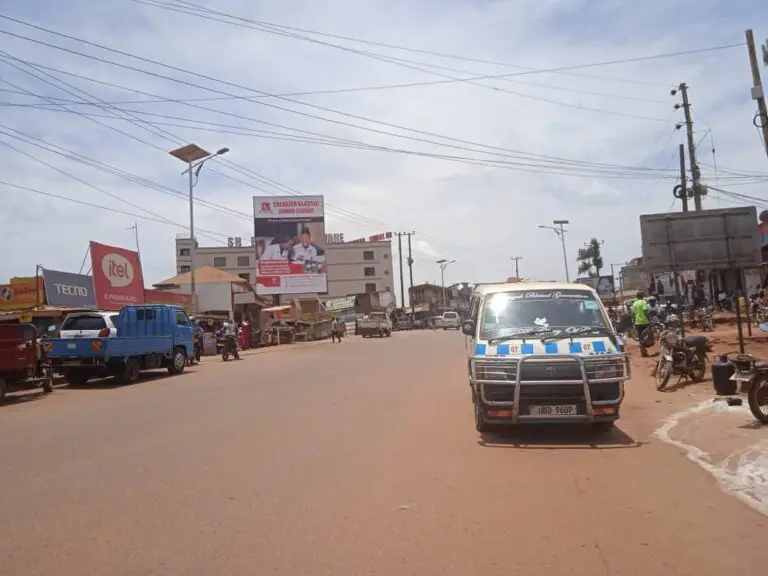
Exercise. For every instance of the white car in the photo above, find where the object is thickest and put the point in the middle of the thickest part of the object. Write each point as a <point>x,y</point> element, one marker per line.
<point>89,325</point>
<point>451,320</point>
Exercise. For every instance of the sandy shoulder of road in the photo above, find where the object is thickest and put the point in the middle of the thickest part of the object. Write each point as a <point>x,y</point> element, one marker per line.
<point>725,441</point>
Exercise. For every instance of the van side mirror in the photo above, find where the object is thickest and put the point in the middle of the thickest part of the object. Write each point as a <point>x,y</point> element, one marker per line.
<point>468,328</point>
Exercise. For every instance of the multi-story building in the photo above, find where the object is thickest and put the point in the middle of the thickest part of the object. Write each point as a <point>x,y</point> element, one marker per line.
<point>353,267</point>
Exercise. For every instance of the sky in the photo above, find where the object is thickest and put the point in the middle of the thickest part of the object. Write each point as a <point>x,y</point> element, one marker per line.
<point>378,107</point>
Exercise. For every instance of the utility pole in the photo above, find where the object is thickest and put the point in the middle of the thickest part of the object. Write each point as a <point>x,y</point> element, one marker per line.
<point>761,118</point>
<point>681,191</point>
<point>135,229</point>
<point>695,172</point>
<point>410,265</point>
<point>517,269</point>
<point>400,255</point>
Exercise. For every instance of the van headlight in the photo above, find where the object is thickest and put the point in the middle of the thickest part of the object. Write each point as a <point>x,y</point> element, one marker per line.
<point>606,370</point>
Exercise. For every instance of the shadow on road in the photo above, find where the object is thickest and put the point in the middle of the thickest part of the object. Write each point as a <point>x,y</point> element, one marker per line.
<point>560,437</point>
<point>110,383</point>
<point>18,398</point>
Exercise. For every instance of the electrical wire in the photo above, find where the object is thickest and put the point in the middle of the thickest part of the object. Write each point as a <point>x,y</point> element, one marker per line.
<point>262,103</point>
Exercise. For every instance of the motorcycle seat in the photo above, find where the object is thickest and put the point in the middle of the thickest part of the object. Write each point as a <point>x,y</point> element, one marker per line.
<point>697,341</point>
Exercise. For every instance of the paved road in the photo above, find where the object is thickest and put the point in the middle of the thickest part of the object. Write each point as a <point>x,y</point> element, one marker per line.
<point>350,459</point>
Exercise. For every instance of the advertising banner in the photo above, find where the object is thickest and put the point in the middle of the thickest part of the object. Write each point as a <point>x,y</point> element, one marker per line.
<point>69,290</point>
<point>168,297</point>
<point>21,293</point>
<point>290,244</point>
<point>117,276</point>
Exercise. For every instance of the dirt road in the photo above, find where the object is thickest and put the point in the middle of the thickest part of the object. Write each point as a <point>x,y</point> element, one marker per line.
<point>350,459</point>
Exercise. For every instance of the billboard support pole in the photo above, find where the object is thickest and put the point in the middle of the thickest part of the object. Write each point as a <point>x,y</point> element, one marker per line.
<point>400,257</point>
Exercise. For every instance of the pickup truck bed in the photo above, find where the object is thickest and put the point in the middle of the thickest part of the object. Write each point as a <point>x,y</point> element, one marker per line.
<point>73,348</point>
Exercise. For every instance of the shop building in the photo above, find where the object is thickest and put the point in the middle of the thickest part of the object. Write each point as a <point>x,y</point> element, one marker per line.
<point>356,267</point>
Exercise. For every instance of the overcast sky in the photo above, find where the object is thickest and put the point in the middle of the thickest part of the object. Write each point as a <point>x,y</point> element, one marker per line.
<point>377,122</point>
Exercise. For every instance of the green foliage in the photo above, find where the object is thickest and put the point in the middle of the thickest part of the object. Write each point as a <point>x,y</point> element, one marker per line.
<point>590,259</point>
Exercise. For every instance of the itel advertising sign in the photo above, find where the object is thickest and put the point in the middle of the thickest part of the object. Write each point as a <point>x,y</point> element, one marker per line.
<point>69,290</point>
<point>117,277</point>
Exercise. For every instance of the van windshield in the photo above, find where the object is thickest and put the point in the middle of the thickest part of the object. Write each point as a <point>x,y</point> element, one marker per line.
<point>545,311</point>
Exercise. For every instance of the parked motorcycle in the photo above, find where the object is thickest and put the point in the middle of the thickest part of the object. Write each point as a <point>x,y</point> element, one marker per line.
<point>752,375</point>
<point>702,318</point>
<point>230,348</point>
<point>683,357</point>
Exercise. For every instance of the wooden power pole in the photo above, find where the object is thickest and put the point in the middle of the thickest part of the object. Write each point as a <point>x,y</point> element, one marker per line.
<point>761,118</point>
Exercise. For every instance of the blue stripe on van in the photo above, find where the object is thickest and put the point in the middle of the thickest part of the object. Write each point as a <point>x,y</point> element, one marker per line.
<point>551,348</point>
<point>502,350</point>
<point>526,349</point>
<point>575,347</point>
<point>598,346</point>
<point>480,349</point>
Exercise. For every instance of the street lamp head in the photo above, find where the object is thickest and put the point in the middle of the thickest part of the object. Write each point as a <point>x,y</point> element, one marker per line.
<point>441,261</point>
<point>560,222</point>
<point>222,151</point>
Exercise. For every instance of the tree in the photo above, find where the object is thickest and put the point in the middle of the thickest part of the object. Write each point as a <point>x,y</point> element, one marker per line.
<point>589,258</point>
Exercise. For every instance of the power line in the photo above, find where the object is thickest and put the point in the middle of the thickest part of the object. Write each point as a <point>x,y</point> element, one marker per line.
<point>289,110</point>
<point>207,12</point>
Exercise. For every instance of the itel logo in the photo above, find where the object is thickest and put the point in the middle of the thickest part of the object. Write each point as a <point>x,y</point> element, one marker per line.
<point>266,208</point>
<point>118,270</point>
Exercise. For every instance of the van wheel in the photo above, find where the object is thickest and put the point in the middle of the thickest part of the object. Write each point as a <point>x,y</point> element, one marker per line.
<point>130,372</point>
<point>2,391</point>
<point>481,425</point>
<point>604,427</point>
<point>76,378</point>
<point>178,361</point>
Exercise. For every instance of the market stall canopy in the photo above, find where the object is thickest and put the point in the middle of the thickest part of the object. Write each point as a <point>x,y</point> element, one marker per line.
<point>204,275</point>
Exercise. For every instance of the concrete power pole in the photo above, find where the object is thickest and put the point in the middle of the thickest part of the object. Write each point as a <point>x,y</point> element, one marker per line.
<point>400,255</point>
<point>410,262</point>
<point>695,172</point>
<point>761,118</point>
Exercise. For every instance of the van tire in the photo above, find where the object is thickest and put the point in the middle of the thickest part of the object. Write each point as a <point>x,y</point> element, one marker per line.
<point>178,361</point>
<point>2,391</point>
<point>603,427</point>
<point>481,425</point>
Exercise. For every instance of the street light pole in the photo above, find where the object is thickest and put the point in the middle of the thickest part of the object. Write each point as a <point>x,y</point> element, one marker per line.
<point>443,263</point>
<point>517,269</point>
<point>195,157</point>
<point>560,231</point>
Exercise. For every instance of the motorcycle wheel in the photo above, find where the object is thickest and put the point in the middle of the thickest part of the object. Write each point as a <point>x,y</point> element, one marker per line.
<point>758,400</point>
<point>699,369</point>
<point>663,374</point>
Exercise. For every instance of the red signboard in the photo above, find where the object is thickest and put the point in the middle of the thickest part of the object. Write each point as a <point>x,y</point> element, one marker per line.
<point>117,276</point>
<point>168,297</point>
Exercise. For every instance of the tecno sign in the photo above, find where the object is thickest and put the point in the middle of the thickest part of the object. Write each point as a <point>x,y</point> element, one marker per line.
<point>118,270</point>
<point>71,290</point>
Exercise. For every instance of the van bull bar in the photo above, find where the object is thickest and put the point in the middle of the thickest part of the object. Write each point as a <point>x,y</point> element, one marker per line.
<point>595,385</point>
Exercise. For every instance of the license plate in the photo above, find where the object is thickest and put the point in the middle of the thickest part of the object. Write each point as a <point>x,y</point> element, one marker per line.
<point>561,410</point>
<point>72,346</point>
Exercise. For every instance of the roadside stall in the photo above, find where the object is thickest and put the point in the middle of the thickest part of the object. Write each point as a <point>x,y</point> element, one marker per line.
<point>312,320</point>
<point>277,325</point>
<point>345,311</point>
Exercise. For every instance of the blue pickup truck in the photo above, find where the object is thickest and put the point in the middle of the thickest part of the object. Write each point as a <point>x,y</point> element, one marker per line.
<point>148,337</point>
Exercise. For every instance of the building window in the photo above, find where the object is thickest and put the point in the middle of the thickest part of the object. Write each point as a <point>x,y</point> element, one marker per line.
<point>184,252</point>
<point>243,261</point>
<point>219,261</point>
<point>245,276</point>
<point>386,272</point>
<point>385,256</point>
<point>370,287</point>
<point>369,271</point>
<point>368,255</point>
<point>183,269</point>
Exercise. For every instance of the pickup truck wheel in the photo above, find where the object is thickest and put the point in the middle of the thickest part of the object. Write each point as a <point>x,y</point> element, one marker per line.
<point>76,379</point>
<point>178,362</point>
<point>130,372</point>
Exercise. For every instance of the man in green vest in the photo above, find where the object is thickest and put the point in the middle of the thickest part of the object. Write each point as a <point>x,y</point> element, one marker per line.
<point>641,321</point>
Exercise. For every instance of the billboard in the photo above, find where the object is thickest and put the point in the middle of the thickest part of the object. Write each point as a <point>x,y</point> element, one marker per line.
<point>117,276</point>
<point>69,290</point>
<point>701,240</point>
<point>603,285</point>
<point>290,244</point>
<point>22,293</point>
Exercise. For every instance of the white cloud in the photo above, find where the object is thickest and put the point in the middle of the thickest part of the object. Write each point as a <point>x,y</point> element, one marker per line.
<point>478,215</point>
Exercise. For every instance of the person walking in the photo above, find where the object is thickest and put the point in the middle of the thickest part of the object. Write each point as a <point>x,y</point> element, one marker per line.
<point>335,333</point>
<point>640,319</point>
